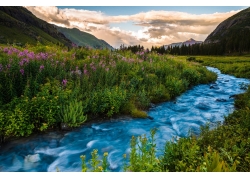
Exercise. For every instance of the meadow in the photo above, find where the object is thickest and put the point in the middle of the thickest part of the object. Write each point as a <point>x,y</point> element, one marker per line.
<point>51,87</point>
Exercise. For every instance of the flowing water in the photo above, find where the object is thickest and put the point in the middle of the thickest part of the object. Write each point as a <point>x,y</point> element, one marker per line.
<point>61,151</point>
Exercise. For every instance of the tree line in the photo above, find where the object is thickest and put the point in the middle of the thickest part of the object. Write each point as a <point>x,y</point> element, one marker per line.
<point>236,43</point>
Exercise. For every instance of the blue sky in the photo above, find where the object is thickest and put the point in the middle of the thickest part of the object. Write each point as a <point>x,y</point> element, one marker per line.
<point>129,10</point>
<point>145,25</point>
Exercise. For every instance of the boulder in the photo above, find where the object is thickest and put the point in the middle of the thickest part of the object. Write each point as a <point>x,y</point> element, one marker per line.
<point>32,158</point>
<point>221,100</point>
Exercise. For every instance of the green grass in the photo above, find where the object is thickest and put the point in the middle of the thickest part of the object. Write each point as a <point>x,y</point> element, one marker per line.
<point>238,66</point>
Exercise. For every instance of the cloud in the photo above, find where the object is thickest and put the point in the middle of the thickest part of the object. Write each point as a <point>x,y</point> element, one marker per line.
<point>157,27</point>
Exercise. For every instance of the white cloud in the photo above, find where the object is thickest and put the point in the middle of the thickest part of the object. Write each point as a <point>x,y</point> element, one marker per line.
<point>157,27</point>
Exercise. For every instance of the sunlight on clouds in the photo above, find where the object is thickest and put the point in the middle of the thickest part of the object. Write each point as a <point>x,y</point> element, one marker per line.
<point>157,27</point>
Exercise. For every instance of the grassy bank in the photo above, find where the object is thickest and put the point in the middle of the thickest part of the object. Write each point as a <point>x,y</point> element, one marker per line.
<point>48,87</point>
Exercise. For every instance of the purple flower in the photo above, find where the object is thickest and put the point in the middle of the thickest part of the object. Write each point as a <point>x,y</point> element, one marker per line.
<point>93,67</point>
<point>41,67</point>
<point>85,71</point>
<point>107,69</point>
<point>21,63</point>
<point>64,82</point>
<point>22,71</point>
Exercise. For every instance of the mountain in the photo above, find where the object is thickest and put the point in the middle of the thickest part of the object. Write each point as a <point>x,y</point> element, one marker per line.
<point>233,33</point>
<point>81,38</point>
<point>20,26</point>
<point>187,43</point>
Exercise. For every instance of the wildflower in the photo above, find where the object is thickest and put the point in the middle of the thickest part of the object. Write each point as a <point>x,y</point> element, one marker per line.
<point>21,63</point>
<point>41,68</point>
<point>107,69</point>
<point>64,82</point>
<point>22,71</point>
<point>100,168</point>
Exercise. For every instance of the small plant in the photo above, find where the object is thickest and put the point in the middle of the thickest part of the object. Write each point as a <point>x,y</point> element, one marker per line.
<point>143,154</point>
<point>96,164</point>
<point>72,114</point>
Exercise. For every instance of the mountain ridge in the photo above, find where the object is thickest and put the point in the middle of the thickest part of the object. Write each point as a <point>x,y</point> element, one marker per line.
<point>81,38</point>
<point>233,24</point>
<point>19,25</point>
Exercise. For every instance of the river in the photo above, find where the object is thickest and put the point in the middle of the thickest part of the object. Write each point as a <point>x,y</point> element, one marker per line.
<point>54,151</point>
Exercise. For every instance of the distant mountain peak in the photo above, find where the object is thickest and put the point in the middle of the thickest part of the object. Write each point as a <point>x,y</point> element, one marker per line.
<point>188,42</point>
<point>191,39</point>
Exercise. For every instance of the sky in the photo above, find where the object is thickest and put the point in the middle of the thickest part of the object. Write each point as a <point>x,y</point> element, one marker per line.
<point>145,25</point>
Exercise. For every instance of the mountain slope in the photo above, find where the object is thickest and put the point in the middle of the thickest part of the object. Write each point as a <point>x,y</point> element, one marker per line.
<point>233,33</point>
<point>81,38</point>
<point>18,25</point>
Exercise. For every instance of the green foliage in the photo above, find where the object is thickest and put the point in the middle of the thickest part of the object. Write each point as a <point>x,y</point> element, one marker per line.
<point>191,75</point>
<point>17,123</point>
<point>174,86</point>
<point>72,114</point>
<point>143,154</point>
<point>96,165</point>
<point>138,114</point>
<point>184,155</point>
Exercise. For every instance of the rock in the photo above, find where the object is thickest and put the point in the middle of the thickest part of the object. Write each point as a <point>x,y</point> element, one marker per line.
<point>203,106</point>
<point>226,81</point>
<point>152,105</point>
<point>232,96</point>
<point>221,100</point>
<point>151,118</point>
<point>214,87</point>
<point>32,158</point>
<point>65,127</point>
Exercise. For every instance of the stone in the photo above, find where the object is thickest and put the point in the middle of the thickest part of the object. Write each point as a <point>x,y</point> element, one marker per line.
<point>151,118</point>
<point>232,96</point>
<point>32,158</point>
<point>221,100</point>
<point>65,127</point>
